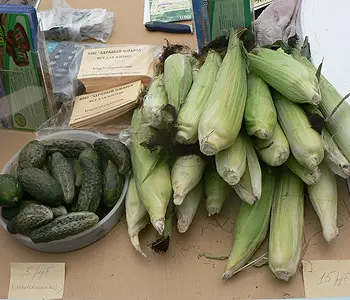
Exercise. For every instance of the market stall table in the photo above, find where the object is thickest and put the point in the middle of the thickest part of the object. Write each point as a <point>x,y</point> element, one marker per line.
<point>111,267</point>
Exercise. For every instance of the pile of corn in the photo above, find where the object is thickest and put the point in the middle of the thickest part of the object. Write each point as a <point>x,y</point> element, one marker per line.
<point>248,113</point>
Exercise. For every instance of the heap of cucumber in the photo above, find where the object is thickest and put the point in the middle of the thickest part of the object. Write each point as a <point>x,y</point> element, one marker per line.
<point>63,187</point>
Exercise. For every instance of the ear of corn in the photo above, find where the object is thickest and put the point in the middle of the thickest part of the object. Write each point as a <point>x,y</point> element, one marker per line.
<point>274,151</point>
<point>222,117</point>
<point>323,196</point>
<point>196,100</point>
<point>244,188</point>
<point>286,75</point>
<point>286,226</point>
<point>251,226</point>
<point>136,215</point>
<point>337,125</point>
<point>186,173</point>
<point>216,191</point>
<point>149,173</point>
<point>260,115</point>
<point>334,157</point>
<point>306,175</point>
<point>231,162</point>
<point>306,144</point>
<point>154,102</point>
<point>177,78</point>
<point>254,168</point>
<point>187,210</point>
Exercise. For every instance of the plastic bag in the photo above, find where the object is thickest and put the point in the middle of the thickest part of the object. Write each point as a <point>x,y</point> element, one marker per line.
<point>65,23</point>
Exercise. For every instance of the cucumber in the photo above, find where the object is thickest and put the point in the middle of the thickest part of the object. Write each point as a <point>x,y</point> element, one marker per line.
<point>10,190</point>
<point>33,155</point>
<point>88,153</point>
<point>41,186</point>
<point>64,226</point>
<point>91,188</point>
<point>113,184</point>
<point>59,211</point>
<point>69,148</point>
<point>62,171</point>
<point>115,151</point>
<point>29,218</point>
<point>8,213</point>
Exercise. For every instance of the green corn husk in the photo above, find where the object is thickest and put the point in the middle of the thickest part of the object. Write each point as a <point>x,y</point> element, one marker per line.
<point>260,116</point>
<point>307,176</point>
<point>186,173</point>
<point>136,215</point>
<point>274,151</point>
<point>187,210</point>
<point>153,112</point>
<point>222,117</point>
<point>306,144</point>
<point>196,100</point>
<point>323,196</point>
<point>251,226</point>
<point>177,78</point>
<point>254,168</point>
<point>216,191</point>
<point>339,123</point>
<point>244,188</point>
<point>334,158</point>
<point>149,173</point>
<point>286,226</point>
<point>286,75</point>
<point>231,162</point>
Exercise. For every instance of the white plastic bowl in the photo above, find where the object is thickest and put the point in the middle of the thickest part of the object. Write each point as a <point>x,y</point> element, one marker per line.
<point>82,239</point>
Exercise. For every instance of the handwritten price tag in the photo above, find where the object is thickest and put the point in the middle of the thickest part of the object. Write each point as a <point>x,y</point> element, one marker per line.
<point>326,278</point>
<point>37,281</point>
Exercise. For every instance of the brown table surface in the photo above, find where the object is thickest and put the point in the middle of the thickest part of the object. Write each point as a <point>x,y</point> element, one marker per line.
<point>111,269</point>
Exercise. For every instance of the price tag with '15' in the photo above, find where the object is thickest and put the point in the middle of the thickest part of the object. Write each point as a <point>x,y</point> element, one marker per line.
<point>326,278</point>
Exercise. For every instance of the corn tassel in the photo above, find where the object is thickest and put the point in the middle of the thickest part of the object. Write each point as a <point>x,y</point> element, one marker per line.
<point>251,226</point>
<point>260,115</point>
<point>136,215</point>
<point>216,191</point>
<point>286,226</point>
<point>323,196</point>
<point>177,78</point>
<point>196,100</point>
<point>187,210</point>
<point>306,144</point>
<point>307,176</point>
<point>274,151</point>
<point>149,173</point>
<point>286,75</point>
<point>334,157</point>
<point>222,117</point>
<point>186,173</point>
<point>231,162</point>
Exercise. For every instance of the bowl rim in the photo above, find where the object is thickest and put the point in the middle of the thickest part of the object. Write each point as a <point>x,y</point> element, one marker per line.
<point>120,201</point>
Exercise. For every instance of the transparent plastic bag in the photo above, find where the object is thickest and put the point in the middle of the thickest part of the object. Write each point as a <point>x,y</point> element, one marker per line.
<point>63,23</point>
